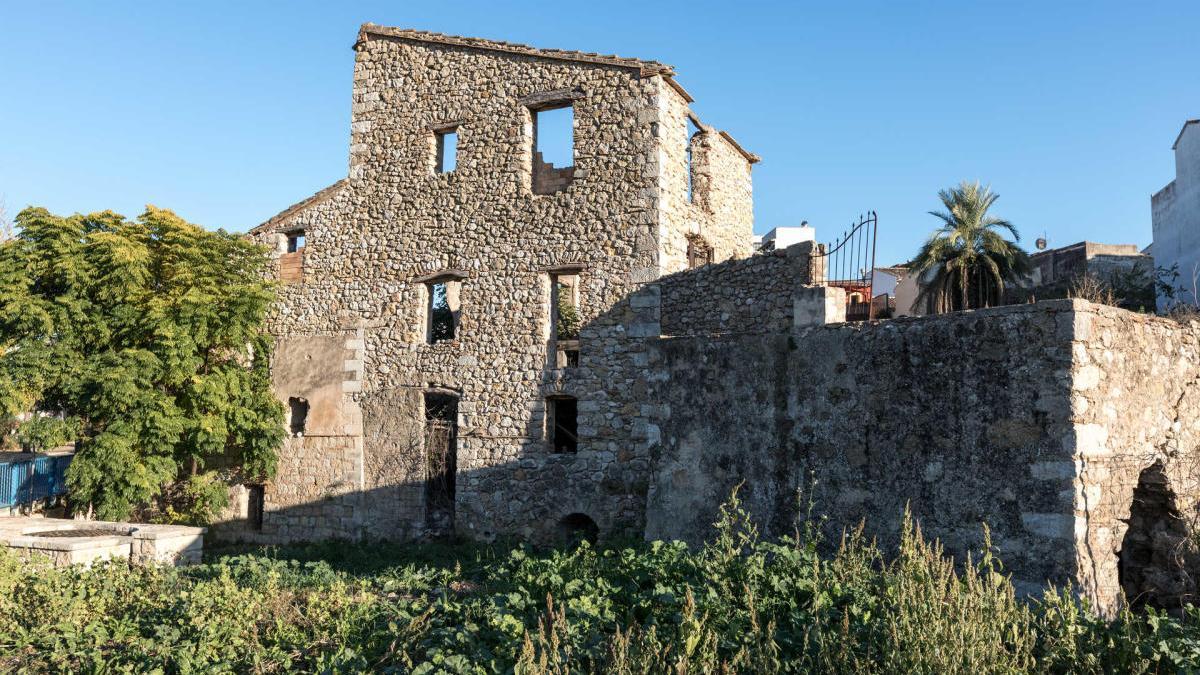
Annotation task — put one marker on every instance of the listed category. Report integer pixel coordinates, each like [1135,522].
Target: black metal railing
[848,262]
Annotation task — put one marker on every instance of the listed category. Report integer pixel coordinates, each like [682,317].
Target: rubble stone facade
[1069,429]
[436,386]
[358,318]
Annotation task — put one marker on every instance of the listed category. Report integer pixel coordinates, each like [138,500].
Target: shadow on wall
[386,464]
[964,418]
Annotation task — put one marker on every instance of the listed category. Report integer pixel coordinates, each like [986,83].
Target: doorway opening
[441,461]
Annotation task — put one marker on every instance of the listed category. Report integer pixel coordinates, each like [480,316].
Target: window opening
[693,132]
[562,423]
[298,415]
[256,504]
[295,241]
[699,253]
[443,311]
[447,151]
[553,148]
[441,454]
[564,306]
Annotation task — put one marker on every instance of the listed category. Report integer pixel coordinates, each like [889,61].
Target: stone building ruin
[472,340]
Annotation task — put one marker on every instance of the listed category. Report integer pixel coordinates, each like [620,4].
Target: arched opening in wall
[1157,551]
[441,461]
[577,527]
[297,415]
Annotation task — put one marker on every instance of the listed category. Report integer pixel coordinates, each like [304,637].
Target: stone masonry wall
[750,295]
[947,416]
[1034,419]
[722,209]
[1135,407]
[375,239]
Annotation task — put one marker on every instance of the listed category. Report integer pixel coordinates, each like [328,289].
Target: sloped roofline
[645,68]
[299,206]
[1180,136]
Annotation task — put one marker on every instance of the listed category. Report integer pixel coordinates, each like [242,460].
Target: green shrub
[739,604]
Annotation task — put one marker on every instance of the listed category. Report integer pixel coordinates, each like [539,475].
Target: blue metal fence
[24,480]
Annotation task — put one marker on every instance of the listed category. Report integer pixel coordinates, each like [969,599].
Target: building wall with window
[718,208]
[1176,217]
[501,225]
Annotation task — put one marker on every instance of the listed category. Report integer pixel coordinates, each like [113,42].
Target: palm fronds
[967,262]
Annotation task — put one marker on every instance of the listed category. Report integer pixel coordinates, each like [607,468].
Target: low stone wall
[140,544]
[1039,421]
[748,296]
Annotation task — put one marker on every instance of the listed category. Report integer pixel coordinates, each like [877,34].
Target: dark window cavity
[577,528]
[297,415]
[562,423]
[295,241]
[256,505]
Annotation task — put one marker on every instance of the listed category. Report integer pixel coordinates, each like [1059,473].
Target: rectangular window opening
[441,455]
[295,241]
[562,423]
[693,132]
[447,151]
[291,263]
[564,306]
[699,252]
[553,148]
[443,311]
[256,504]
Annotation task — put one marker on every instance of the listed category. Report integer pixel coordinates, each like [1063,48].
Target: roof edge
[750,156]
[317,198]
[644,68]
[679,88]
[1180,136]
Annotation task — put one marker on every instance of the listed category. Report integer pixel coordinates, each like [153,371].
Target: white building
[783,237]
[1176,214]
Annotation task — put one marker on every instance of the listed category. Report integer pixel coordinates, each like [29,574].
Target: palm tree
[967,262]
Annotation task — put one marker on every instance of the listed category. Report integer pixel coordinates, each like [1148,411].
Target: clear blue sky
[227,112]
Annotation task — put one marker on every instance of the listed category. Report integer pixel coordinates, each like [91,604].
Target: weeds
[741,604]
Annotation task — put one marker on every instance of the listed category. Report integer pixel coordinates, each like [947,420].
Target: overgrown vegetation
[739,604]
[141,340]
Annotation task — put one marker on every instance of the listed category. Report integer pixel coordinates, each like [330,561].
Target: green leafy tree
[144,337]
[967,262]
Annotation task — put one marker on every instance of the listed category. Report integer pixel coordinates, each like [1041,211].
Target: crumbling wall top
[646,68]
